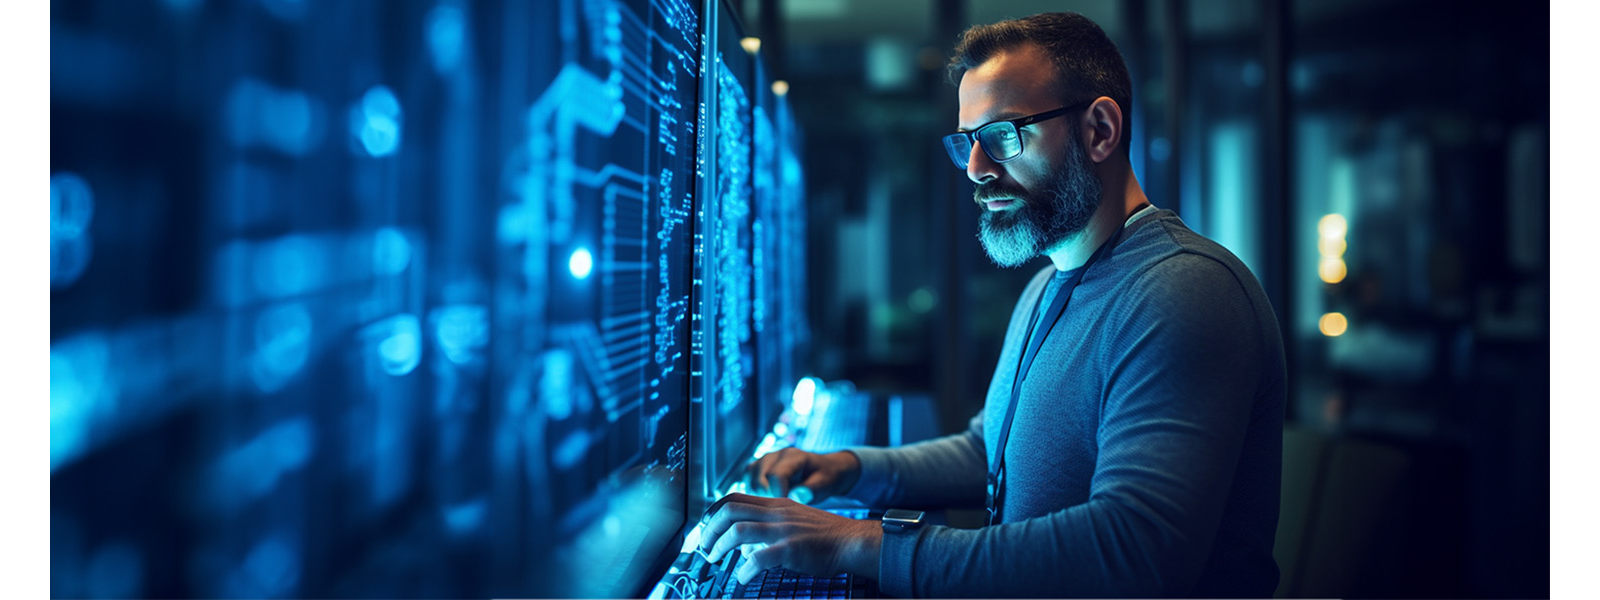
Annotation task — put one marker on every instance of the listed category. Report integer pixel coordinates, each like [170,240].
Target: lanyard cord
[1057,308]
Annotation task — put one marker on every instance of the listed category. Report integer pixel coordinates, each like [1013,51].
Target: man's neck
[1116,204]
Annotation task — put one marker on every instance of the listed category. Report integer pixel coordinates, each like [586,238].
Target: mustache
[994,190]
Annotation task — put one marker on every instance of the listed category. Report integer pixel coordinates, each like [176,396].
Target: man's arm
[1181,392]
[937,473]
[947,471]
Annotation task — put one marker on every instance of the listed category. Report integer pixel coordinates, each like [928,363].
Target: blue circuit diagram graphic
[482,301]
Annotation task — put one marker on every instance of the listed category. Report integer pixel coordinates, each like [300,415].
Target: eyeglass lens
[998,140]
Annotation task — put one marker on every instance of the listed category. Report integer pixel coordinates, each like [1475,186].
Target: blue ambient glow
[462,331]
[78,385]
[447,34]
[327,339]
[556,386]
[288,10]
[581,263]
[115,571]
[572,449]
[288,266]
[391,252]
[259,114]
[377,122]
[283,343]
[804,393]
[255,468]
[71,211]
[71,205]
[271,569]
[466,516]
[399,343]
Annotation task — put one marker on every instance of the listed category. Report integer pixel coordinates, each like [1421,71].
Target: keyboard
[693,577]
[718,581]
[783,583]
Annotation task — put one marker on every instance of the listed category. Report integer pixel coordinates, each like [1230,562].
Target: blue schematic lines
[610,141]
[478,293]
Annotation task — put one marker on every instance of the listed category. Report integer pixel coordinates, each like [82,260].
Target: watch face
[896,519]
[902,515]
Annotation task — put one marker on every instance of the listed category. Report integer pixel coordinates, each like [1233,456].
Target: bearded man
[1130,444]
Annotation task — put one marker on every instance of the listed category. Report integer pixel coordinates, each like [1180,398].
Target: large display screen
[366,298]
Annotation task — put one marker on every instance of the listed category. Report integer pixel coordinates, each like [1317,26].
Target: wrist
[848,467]
[866,549]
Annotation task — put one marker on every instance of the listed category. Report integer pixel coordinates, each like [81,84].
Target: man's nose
[980,167]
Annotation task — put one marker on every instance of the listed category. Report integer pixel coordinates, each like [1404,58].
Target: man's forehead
[1013,83]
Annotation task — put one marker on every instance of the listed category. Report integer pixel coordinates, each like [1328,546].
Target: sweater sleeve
[1181,360]
[950,471]
[937,473]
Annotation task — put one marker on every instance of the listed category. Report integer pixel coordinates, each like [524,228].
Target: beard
[1060,208]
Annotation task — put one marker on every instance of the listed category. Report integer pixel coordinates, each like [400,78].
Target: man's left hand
[797,537]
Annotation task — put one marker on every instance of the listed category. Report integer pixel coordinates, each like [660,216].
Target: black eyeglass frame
[968,138]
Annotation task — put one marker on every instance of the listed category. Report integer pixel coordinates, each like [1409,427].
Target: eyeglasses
[1000,139]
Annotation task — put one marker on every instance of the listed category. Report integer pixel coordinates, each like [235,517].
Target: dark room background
[1382,167]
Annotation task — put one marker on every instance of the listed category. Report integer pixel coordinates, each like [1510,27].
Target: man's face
[1032,202]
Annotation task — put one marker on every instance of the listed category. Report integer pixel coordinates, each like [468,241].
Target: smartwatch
[899,520]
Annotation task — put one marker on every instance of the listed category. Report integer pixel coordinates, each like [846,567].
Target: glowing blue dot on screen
[376,121]
[289,116]
[401,349]
[283,343]
[71,205]
[71,211]
[555,386]
[380,137]
[571,449]
[446,31]
[465,516]
[397,350]
[462,330]
[257,113]
[380,102]
[805,394]
[581,263]
[288,266]
[391,252]
[70,411]
[513,223]
[78,383]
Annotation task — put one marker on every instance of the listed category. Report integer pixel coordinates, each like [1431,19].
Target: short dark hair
[1087,64]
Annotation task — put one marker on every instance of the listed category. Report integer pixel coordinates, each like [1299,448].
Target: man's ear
[1102,129]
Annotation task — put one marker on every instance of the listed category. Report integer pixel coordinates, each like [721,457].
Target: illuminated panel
[412,322]
[724,342]
[792,291]
[440,308]
[766,238]
[779,258]
[593,298]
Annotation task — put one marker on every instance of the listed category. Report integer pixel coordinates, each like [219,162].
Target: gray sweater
[1146,450]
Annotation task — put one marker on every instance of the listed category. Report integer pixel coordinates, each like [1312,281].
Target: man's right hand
[779,473]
